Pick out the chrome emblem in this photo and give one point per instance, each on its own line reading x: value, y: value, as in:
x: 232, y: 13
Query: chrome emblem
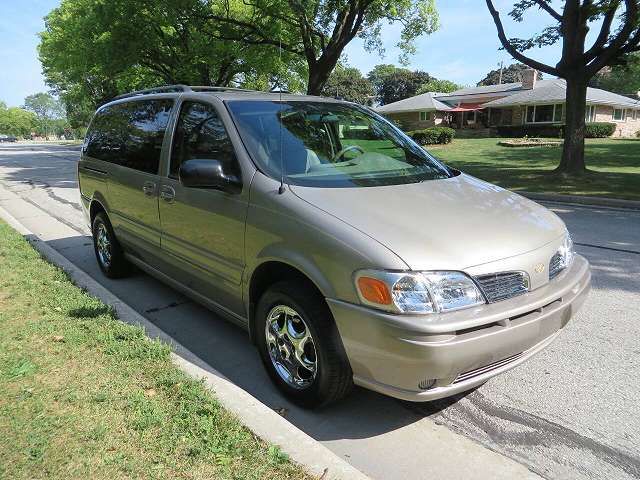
x: 539, y: 268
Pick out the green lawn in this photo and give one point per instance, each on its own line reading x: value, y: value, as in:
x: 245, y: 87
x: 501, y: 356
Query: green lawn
x: 616, y: 166
x: 83, y: 395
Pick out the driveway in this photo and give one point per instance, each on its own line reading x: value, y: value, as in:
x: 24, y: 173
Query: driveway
x: 570, y: 412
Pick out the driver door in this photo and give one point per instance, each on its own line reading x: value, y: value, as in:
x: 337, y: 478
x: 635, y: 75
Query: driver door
x: 203, y: 229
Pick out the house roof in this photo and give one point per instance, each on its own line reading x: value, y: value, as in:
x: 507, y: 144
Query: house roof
x: 550, y: 91
x: 423, y: 102
x: 484, y: 90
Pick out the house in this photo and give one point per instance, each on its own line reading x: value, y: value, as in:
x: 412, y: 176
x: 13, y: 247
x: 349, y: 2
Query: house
x: 528, y: 102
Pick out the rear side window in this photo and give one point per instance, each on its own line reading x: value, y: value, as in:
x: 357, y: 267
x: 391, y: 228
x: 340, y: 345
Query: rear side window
x: 200, y: 134
x: 130, y: 134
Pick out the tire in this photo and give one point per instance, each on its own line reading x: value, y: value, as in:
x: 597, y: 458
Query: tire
x: 333, y: 378
x: 116, y: 265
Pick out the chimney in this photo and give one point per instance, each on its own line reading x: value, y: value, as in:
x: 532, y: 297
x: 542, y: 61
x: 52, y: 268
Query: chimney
x: 529, y: 78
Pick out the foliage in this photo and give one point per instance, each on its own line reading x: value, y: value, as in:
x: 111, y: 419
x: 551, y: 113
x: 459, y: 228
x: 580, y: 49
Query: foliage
x: 618, y: 36
x: 16, y: 121
x: 439, y: 86
x: 510, y: 74
x: 47, y: 109
x: 531, y: 130
x: 622, y: 78
x: 92, y: 50
x: 592, y: 130
x: 348, y: 83
x: 433, y: 135
x: 599, y: 129
x: 317, y: 31
x: 392, y: 85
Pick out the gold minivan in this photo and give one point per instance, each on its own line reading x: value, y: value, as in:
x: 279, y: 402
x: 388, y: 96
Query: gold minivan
x: 348, y: 252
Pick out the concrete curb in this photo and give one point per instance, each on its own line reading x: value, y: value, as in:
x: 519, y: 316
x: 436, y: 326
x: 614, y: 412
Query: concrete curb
x: 263, y: 421
x: 580, y: 200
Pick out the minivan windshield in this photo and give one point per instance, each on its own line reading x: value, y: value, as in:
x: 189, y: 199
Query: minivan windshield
x: 327, y: 144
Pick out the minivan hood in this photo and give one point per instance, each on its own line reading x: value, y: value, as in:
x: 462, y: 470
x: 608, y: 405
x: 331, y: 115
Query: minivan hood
x: 448, y: 224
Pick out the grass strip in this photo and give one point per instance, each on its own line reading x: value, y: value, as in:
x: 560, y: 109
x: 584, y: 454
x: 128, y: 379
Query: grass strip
x: 83, y: 395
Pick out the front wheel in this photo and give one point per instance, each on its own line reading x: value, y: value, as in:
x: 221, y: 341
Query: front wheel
x: 300, y: 345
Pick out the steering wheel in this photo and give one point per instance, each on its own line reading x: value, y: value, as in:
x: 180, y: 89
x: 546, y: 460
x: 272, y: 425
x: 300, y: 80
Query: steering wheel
x: 345, y: 150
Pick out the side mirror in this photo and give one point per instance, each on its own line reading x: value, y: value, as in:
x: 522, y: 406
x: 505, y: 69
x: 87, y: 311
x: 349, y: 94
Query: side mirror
x: 208, y: 174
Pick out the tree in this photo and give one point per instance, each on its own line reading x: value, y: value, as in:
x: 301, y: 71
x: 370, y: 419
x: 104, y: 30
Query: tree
x: 622, y: 78
x: 348, y: 83
x: 378, y: 73
x: 577, y: 63
x: 46, y: 108
x: 92, y: 50
x: 16, y: 121
x: 510, y: 74
x: 439, y: 86
x: 401, y: 84
x: 319, y: 30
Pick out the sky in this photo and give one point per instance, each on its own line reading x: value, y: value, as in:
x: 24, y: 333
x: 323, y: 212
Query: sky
x: 464, y: 50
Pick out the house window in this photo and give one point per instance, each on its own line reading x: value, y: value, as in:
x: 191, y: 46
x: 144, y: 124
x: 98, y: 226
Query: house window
x: 557, y: 113
x: 634, y: 114
x: 618, y: 114
x: 424, y: 116
x: 471, y: 117
x: 590, y: 113
x: 544, y: 113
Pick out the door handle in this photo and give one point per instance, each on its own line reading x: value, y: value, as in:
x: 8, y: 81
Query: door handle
x: 149, y: 188
x: 167, y: 193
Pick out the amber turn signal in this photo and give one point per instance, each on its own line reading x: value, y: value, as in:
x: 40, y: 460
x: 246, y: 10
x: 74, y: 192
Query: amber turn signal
x: 374, y: 290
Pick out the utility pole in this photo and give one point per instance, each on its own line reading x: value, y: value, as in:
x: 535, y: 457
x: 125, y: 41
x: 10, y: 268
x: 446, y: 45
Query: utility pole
x: 501, y: 68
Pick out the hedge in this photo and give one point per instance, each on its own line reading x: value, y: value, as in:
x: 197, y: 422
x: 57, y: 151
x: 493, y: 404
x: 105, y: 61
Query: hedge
x: 433, y: 135
x: 531, y: 130
x: 592, y: 130
x: 599, y: 130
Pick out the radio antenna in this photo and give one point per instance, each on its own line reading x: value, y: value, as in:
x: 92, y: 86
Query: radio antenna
x: 282, y: 173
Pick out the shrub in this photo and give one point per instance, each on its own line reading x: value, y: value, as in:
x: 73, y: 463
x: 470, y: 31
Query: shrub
x: 599, y: 129
x: 592, y: 130
x: 517, y: 131
x: 433, y: 135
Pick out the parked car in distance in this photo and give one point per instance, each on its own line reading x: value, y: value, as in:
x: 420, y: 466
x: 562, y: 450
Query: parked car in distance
x: 348, y: 253
x: 8, y: 138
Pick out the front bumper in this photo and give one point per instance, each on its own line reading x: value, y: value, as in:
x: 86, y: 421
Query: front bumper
x: 420, y: 358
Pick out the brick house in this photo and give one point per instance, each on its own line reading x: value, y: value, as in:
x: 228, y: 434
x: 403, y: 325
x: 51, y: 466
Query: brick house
x: 528, y: 102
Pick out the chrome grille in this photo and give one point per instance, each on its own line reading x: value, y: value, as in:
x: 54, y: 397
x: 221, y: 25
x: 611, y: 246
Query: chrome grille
x: 501, y: 286
x: 555, y: 265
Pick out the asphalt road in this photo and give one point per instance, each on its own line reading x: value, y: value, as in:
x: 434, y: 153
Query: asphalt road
x: 571, y: 412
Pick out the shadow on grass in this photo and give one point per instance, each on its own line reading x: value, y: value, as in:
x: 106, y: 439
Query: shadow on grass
x: 92, y: 312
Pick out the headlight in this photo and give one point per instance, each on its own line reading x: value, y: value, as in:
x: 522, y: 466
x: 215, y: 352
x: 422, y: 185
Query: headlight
x: 417, y: 292
x: 566, y: 251
x: 562, y: 258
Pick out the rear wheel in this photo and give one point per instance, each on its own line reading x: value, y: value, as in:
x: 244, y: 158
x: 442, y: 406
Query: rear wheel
x: 107, y: 249
x: 300, y: 345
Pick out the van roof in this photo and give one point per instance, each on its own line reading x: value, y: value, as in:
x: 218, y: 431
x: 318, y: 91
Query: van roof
x: 224, y: 93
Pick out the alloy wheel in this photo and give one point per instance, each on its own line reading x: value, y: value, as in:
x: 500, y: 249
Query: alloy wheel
x: 291, y: 347
x: 103, y: 244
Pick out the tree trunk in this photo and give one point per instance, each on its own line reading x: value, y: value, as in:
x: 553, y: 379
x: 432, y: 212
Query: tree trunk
x: 572, y: 162
x: 319, y: 72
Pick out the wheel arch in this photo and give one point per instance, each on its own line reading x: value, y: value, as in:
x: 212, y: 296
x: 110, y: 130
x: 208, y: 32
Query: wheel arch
x: 272, y: 271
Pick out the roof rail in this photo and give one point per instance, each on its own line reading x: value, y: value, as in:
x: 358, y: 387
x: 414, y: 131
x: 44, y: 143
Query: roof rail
x: 149, y: 91
x: 180, y: 88
x: 219, y: 89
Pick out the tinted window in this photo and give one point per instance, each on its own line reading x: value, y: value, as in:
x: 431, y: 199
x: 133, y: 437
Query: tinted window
x: 130, y: 134
x: 200, y: 134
